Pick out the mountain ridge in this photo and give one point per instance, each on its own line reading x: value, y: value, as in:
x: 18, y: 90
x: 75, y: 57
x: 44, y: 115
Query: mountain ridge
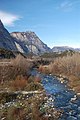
x: 26, y: 42
x: 21, y: 41
x: 6, y: 40
x: 29, y: 40
x: 64, y: 48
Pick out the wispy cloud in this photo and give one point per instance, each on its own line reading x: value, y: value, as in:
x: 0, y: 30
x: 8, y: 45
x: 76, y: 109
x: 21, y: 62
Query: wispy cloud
x: 8, y: 19
x: 67, y: 5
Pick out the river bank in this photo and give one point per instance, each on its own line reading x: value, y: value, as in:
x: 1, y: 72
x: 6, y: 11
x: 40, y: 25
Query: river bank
x: 27, y: 101
x: 66, y: 67
x: 64, y: 98
x: 38, y: 96
x: 57, y: 101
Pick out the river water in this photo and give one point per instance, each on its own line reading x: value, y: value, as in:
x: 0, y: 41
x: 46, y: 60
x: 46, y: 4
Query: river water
x: 63, y: 98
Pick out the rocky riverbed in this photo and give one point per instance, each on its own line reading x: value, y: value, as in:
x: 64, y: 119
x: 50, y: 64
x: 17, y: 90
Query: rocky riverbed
x: 56, y: 101
x: 61, y: 96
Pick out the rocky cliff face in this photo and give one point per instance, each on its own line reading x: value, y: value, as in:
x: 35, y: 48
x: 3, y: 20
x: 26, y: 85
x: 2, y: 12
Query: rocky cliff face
x: 6, y: 40
x: 25, y: 41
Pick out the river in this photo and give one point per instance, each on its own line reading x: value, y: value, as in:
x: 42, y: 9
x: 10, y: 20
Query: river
x: 63, y: 98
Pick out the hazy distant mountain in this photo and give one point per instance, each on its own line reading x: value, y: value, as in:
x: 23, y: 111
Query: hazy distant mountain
x: 77, y: 49
x: 6, y: 40
x: 62, y: 48
x: 27, y: 40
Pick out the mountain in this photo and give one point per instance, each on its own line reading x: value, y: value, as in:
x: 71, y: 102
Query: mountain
x: 6, y: 40
x: 29, y: 42
x: 62, y: 48
x: 24, y: 42
x: 77, y: 49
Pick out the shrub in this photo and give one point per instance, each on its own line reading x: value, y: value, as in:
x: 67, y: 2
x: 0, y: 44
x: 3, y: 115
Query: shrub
x: 34, y: 86
x: 19, y: 83
x: 40, y: 68
x: 21, y: 64
x: 68, y: 66
x: 13, y: 113
x: 44, y: 69
x: 17, y: 66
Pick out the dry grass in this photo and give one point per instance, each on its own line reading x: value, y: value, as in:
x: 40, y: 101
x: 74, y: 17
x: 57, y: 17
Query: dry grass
x: 26, y: 110
x: 68, y: 66
x: 17, y: 66
x: 44, y: 69
x: 19, y: 83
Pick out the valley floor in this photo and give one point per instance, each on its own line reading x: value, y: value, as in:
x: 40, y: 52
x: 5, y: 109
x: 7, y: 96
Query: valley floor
x: 49, y: 92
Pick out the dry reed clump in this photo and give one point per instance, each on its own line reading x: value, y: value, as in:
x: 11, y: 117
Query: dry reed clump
x: 30, y: 83
x: 41, y: 68
x: 44, y: 69
x: 17, y: 66
x: 69, y: 66
x: 14, y: 113
x: 21, y: 64
x: 19, y: 83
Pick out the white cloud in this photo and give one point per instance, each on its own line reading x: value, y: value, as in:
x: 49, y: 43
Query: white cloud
x: 8, y: 19
x: 67, y: 5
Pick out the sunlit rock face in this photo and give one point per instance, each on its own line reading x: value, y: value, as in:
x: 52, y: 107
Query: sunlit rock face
x: 24, y: 42
x: 30, y: 41
x: 6, y: 41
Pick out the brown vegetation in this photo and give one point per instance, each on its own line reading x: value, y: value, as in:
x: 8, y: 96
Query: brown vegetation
x: 29, y: 110
x: 17, y: 66
x: 68, y: 66
x: 19, y: 83
x: 44, y: 69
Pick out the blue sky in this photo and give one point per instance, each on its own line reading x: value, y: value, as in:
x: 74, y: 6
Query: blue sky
x: 56, y: 22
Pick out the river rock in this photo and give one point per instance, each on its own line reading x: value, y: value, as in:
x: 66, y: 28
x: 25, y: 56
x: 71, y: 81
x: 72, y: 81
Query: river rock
x: 74, y: 98
x: 79, y: 108
x: 78, y: 116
